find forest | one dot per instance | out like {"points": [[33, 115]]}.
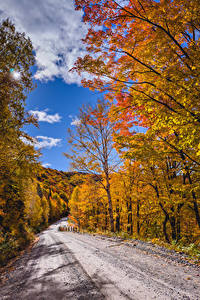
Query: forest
{"points": [[31, 196], [144, 57], [135, 154]]}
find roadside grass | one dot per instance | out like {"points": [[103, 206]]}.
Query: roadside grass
{"points": [[11, 246], [9, 263], [191, 250]]}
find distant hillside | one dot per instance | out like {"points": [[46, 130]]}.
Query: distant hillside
{"points": [[56, 178], [57, 187], [49, 175], [44, 199]]}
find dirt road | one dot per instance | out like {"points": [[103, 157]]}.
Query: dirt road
{"points": [[66, 265]]}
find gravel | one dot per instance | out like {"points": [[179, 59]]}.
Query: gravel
{"points": [[67, 265]]}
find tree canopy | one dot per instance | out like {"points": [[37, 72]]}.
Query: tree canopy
{"points": [[144, 57]]}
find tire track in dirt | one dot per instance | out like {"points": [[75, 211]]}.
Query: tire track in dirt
{"points": [[66, 265], [142, 283]]}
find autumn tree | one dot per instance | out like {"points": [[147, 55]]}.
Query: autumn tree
{"points": [[163, 172], [145, 55], [16, 58], [18, 161], [29, 194], [130, 175], [92, 147], [33, 206], [89, 205]]}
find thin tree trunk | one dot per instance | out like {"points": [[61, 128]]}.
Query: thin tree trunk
{"points": [[172, 222], [196, 210], [130, 218], [165, 222], [106, 221], [117, 226], [195, 205], [165, 228], [110, 207], [178, 222], [138, 217]]}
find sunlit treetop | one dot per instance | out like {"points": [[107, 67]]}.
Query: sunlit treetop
{"points": [[146, 56]]}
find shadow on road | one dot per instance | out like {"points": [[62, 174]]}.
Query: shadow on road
{"points": [[49, 272]]}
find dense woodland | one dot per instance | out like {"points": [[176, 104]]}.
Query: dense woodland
{"points": [[137, 148], [144, 197], [31, 197], [144, 57], [29, 206]]}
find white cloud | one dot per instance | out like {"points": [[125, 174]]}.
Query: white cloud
{"points": [[42, 142], [28, 142], [42, 116], [76, 122], [46, 165], [55, 29], [46, 142]]}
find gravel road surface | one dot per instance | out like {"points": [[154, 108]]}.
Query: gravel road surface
{"points": [[67, 265]]}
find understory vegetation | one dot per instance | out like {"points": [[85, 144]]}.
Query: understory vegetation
{"points": [[137, 211]]}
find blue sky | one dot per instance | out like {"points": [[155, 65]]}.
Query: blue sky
{"points": [[62, 99], [56, 31]]}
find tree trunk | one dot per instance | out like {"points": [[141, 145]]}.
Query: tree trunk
{"points": [[138, 217], [196, 210], [178, 222], [117, 226], [106, 221], [110, 207], [97, 218], [165, 222], [172, 222], [195, 204], [130, 218], [178, 228], [165, 228]]}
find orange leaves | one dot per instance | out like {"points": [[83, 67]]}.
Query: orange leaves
{"points": [[145, 57]]}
